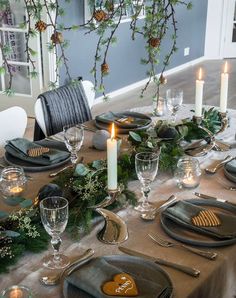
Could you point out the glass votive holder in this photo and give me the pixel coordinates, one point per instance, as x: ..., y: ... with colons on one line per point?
x: 159, y: 107
x: 17, y: 291
x: 12, y: 181
x: 188, y: 173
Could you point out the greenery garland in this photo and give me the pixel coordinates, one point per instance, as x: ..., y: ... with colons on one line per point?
x: 85, y: 186
x: 170, y: 137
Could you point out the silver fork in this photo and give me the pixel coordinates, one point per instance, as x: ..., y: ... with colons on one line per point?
x: 213, y: 170
x: 166, y: 243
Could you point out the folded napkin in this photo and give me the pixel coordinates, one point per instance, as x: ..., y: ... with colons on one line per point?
x: 182, y: 212
x: 125, y: 119
x: 19, y: 147
x: 87, y: 281
x: 231, y: 166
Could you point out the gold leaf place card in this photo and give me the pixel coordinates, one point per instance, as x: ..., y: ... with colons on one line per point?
x: 37, y: 151
x: 121, y: 285
x: 206, y: 218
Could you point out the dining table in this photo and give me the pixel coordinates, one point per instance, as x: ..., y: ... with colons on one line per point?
x: 217, y: 277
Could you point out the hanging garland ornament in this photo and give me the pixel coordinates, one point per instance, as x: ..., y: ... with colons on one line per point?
x: 106, y: 15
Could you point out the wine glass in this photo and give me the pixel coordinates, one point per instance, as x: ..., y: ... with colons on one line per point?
x: 146, y: 166
x: 73, y: 136
x: 174, y: 101
x: 54, y: 216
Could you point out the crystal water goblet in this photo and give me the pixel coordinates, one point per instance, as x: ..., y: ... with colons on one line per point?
x: 74, y: 137
x: 146, y: 166
x: 174, y: 99
x: 54, y: 216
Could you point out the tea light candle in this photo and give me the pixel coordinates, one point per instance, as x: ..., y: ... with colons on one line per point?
x: 16, y: 293
x: 189, y: 181
x: 199, y: 94
x: 16, y: 190
x: 112, y: 160
x: 224, y: 89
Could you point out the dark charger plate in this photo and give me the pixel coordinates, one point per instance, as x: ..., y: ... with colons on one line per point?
x: 30, y: 167
x: 191, y: 237
x: 139, y: 266
x: 122, y: 128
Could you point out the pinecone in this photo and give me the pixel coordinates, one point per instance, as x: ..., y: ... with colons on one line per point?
x: 41, y: 26
x: 57, y: 37
x: 162, y: 79
x: 109, y: 5
x: 105, y: 68
x: 154, y: 42
x: 100, y: 15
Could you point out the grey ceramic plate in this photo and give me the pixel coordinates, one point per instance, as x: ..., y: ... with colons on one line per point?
x: 188, y: 236
x: 141, y: 267
x: 123, y: 129
x: 30, y: 167
x: 230, y: 175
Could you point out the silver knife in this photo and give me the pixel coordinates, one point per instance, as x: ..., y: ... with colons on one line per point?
x: 203, y: 196
x: 188, y: 270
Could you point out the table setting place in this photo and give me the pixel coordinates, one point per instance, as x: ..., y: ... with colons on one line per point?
x: 127, y: 205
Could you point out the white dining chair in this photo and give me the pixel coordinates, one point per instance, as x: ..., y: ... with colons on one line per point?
x: 13, y: 122
x: 39, y: 115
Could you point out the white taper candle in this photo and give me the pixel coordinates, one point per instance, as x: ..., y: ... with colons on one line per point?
x: 199, y: 94
x: 112, y: 161
x: 224, y: 89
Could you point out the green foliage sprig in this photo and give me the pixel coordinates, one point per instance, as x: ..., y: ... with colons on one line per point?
x: 22, y: 230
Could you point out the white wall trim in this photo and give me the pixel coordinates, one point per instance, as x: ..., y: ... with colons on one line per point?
x: 141, y: 83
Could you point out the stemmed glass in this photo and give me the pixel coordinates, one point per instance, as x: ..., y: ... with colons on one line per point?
x: 73, y: 136
x: 174, y: 101
x: 146, y: 166
x: 54, y: 216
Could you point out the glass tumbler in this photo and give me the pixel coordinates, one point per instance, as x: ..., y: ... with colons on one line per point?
x: 188, y: 173
x: 12, y: 181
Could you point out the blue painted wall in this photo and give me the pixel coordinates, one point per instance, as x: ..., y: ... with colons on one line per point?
x: 124, y: 57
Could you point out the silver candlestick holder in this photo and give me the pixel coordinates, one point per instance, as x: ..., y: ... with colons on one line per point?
x: 115, y: 229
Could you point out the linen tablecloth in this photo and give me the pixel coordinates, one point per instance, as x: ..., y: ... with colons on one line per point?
x: 217, y: 278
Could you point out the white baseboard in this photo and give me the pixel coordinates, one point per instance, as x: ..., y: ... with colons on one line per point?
x: 141, y: 83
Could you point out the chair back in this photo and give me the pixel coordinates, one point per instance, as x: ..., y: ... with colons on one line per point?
x: 13, y: 122
x: 38, y: 109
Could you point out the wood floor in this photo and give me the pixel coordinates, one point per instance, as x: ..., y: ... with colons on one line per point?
x: 184, y: 79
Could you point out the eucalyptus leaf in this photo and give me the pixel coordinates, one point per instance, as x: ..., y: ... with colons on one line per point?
x: 12, y: 234
x: 135, y: 136
x: 98, y: 164
x: 26, y: 203
x: 13, y: 201
x: 3, y: 214
x: 81, y: 170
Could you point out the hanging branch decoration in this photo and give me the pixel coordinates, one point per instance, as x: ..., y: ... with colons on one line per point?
x: 106, y: 16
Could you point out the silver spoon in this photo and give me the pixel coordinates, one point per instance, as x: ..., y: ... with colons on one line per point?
x: 54, y: 278
x: 213, y: 170
x: 151, y: 215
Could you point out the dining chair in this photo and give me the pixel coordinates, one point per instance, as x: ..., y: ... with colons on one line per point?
x: 13, y: 122
x: 67, y: 104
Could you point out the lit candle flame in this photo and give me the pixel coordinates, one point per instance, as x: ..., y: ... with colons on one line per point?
x: 113, y: 131
x: 200, y: 74
x: 226, y: 67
